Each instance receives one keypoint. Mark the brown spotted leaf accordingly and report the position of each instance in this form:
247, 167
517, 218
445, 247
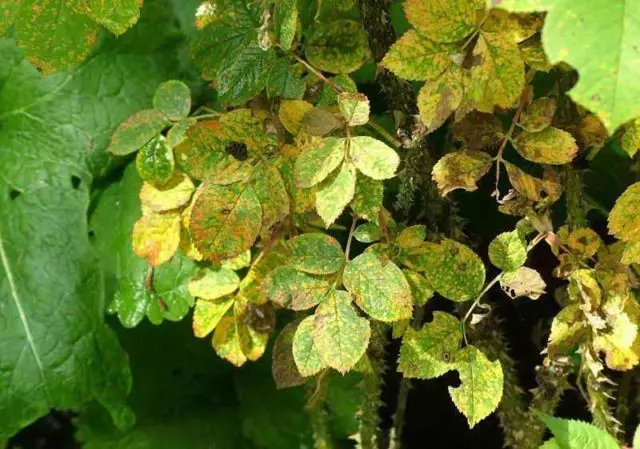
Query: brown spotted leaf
538, 115
337, 46
549, 146
269, 187
283, 366
441, 96
461, 170
532, 188
295, 289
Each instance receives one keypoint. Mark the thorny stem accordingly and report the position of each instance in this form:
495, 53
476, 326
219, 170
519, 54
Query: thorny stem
347, 249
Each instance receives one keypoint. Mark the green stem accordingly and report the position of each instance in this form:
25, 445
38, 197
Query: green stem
384, 133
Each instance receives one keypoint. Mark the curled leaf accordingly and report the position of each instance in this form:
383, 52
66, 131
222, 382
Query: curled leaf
461, 170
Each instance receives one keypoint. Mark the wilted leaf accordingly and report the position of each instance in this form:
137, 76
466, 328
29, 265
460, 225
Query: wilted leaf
283, 366
478, 130
173, 98
440, 97
292, 112
338, 46
538, 115
214, 283
316, 253
480, 390
318, 161
295, 289
207, 315
367, 199
461, 170
155, 162
443, 20
533, 188
136, 131
172, 195
305, 351
380, 289
523, 281
429, 352
156, 237
624, 219
508, 251
373, 158
340, 335
335, 193
414, 57
549, 146
354, 108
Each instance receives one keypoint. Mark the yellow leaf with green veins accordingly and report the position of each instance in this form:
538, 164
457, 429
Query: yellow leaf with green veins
335, 193
295, 289
416, 58
154, 161
354, 108
156, 237
207, 315
428, 353
373, 158
441, 96
225, 220
136, 131
523, 281
172, 195
508, 251
173, 98
443, 20
269, 187
624, 219
341, 336
451, 268
337, 46
318, 161
379, 288
214, 284
481, 385
316, 253
461, 170
291, 114
305, 351
550, 146
538, 115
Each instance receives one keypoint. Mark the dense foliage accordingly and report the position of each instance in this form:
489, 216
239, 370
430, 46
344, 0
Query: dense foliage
360, 189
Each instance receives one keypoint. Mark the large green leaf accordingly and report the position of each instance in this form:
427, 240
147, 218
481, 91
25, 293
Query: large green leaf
597, 37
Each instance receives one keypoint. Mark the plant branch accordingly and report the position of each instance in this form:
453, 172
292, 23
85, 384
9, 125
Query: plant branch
347, 249
384, 133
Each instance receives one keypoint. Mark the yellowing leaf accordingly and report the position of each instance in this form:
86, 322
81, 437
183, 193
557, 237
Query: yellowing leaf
305, 351
173, 98
443, 20
136, 131
172, 195
451, 268
631, 253
335, 193
337, 46
156, 237
318, 161
411, 237
549, 146
414, 57
316, 253
155, 162
538, 115
617, 342
373, 158
295, 289
624, 219
508, 251
440, 97
481, 385
379, 288
533, 188
630, 139
269, 187
367, 199
354, 108
285, 371
461, 170
226, 341
523, 281
340, 335
584, 241
428, 353
420, 288
214, 284
225, 220
568, 329
291, 114
207, 315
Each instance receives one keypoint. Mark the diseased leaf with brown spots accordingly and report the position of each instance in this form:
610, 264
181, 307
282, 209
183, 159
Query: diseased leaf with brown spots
481, 385
416, 58
316, 253
207, 315
523, 281
283, 366
354, 108
136, 131
225, 220
305, 351
443, 20
173, 98
291, 114
550, 146
538, 115
338, 46
214, 283
335, 193
478, 130
411, 237
373, 158
340, 335
367, 199
630, 139
318, 161
156, 237
532, 188
420, 288
379, 288
624, 219
154, 161
428, 353
440, 97
461, 170
269, 186
295, 289
115, 15
174, 194
584, 241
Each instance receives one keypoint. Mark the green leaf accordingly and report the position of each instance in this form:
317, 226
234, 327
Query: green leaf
316, 253
461, 170
367, 199
340, 335
481, 385
318, 161
508, 251
283, 83
523, 281
286, 22
380, 289
573, 30
451, 268
283, 366
338, 46
136, 131
373, 158
225, 220
329, 97
415, 57
429, 352
335, 193
549, 146
208, 313
116, 15
305, 350
214, 284
440, 97
354, 108
295, 289
155, 162
443, 20
624, 220
573, 434
173, 98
